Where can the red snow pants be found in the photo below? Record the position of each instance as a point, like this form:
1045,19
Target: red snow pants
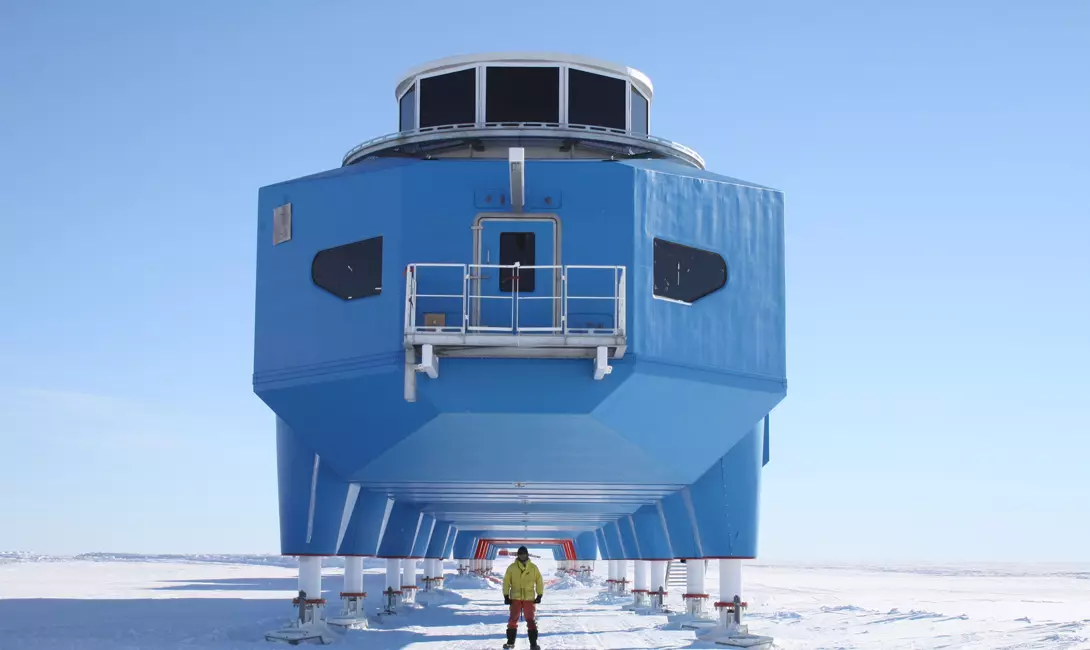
526,608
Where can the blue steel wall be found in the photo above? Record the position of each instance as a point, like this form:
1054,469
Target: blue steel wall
740,328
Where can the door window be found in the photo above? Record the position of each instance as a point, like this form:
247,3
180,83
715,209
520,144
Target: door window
517,248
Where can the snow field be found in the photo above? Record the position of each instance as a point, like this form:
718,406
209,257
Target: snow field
218,602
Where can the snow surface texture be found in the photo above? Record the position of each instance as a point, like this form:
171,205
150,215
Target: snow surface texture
129,602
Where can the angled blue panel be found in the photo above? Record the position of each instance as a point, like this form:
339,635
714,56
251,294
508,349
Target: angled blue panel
401,529
423,536
603,546
465,545
448,547
438,541
678,512
586,546
628,538
366,525
765,453
725,500
312,497
651,532
616,544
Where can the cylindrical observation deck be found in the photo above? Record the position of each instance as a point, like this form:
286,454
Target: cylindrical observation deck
556,106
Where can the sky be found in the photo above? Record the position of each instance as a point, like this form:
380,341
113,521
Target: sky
935,159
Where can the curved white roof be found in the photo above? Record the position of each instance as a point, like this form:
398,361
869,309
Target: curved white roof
639,79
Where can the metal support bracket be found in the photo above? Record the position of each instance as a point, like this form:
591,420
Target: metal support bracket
429,363
601,363
516,161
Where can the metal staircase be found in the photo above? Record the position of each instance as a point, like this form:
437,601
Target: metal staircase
677,579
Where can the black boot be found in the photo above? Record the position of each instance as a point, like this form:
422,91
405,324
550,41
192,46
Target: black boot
533,639
511,632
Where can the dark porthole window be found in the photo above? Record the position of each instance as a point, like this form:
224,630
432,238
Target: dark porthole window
350,271
517,248
687,274
448,99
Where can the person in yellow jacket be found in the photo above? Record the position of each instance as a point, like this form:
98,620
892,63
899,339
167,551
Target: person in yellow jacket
519,585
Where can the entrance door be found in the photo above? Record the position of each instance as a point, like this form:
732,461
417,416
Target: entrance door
529,242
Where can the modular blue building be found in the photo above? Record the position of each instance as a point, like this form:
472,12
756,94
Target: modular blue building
521,316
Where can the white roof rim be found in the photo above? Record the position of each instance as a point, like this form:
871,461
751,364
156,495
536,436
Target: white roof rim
641,81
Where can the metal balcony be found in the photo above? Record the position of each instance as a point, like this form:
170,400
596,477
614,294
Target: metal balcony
454,310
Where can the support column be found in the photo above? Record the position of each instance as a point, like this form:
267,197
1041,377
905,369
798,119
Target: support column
640,585
310,576
731,601
658,583
408,580
696,596
352,595
622,577
393,583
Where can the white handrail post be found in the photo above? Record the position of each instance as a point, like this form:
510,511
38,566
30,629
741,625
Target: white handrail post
465,299
564,300
416,290
623,301
409,323
515,297
616,298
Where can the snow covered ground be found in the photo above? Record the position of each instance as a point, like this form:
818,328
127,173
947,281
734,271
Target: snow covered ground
99,601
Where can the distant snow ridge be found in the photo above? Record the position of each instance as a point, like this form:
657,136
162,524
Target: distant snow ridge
22,556
468,582
568,582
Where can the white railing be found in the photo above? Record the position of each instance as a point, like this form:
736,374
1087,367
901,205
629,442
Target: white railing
444,288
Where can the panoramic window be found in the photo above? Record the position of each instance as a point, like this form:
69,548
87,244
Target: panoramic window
639,113
686,274
408,110
527,94
449,98
350,271
517,248
596,100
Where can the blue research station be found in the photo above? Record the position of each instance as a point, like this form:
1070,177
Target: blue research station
521,318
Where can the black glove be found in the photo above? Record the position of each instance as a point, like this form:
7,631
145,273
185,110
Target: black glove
538,599
506,600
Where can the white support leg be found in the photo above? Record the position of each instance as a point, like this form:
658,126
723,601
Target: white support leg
352,597
622,577
658,583
731,631
696,597
392,593
408,580
310,576
601,362
730,585
310,624
429,363
640,585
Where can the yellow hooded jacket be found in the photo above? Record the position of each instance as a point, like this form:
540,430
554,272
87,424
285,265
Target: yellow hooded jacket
519,581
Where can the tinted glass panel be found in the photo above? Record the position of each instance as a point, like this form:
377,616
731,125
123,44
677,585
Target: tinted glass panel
596,100
350,271
408,110
639,113
685,273
517,247
522,95
449,98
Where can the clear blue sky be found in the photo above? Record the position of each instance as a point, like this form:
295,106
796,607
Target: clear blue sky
935,158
